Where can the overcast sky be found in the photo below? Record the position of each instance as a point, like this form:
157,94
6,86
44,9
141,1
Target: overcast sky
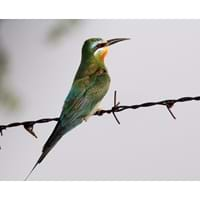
160,61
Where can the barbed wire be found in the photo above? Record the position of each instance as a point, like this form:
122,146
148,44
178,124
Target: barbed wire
169,103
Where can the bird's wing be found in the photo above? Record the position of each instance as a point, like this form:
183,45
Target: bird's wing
71,114
83,97
75,107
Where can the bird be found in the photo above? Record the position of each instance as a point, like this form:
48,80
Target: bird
90,85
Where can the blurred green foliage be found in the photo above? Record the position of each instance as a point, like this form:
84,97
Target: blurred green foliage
8,99
61,28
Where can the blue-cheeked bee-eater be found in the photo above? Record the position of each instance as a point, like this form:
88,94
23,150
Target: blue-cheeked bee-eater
90,85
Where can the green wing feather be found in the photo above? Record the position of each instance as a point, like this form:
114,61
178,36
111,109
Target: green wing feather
83,96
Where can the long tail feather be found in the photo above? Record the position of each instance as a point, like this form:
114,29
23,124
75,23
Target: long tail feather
33,169
51,142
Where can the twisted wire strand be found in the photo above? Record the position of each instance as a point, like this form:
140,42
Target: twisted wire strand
169,103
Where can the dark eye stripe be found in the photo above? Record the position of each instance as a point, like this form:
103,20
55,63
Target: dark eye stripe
100,45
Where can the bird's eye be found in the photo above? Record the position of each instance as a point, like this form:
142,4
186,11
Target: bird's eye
100,45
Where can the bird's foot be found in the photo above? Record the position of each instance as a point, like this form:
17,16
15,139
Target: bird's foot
85,119
92,113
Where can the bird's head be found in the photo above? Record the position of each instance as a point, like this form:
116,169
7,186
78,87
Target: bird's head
98,48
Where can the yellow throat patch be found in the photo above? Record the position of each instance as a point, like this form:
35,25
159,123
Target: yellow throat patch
102,53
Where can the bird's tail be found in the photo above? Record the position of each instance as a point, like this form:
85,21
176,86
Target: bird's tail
43,155
51,142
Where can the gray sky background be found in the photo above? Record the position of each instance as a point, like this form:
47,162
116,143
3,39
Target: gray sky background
160,61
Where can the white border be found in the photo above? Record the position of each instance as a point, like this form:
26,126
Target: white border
101,9
101,190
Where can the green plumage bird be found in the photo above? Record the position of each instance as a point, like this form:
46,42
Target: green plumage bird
90,85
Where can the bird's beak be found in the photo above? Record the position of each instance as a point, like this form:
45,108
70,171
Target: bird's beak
113,41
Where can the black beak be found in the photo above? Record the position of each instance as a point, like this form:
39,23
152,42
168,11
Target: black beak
110,42
113,41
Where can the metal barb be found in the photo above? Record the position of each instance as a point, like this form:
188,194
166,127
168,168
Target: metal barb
115,97
172,114
1,132
169,104
27,125
115,106
29,128
116,118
